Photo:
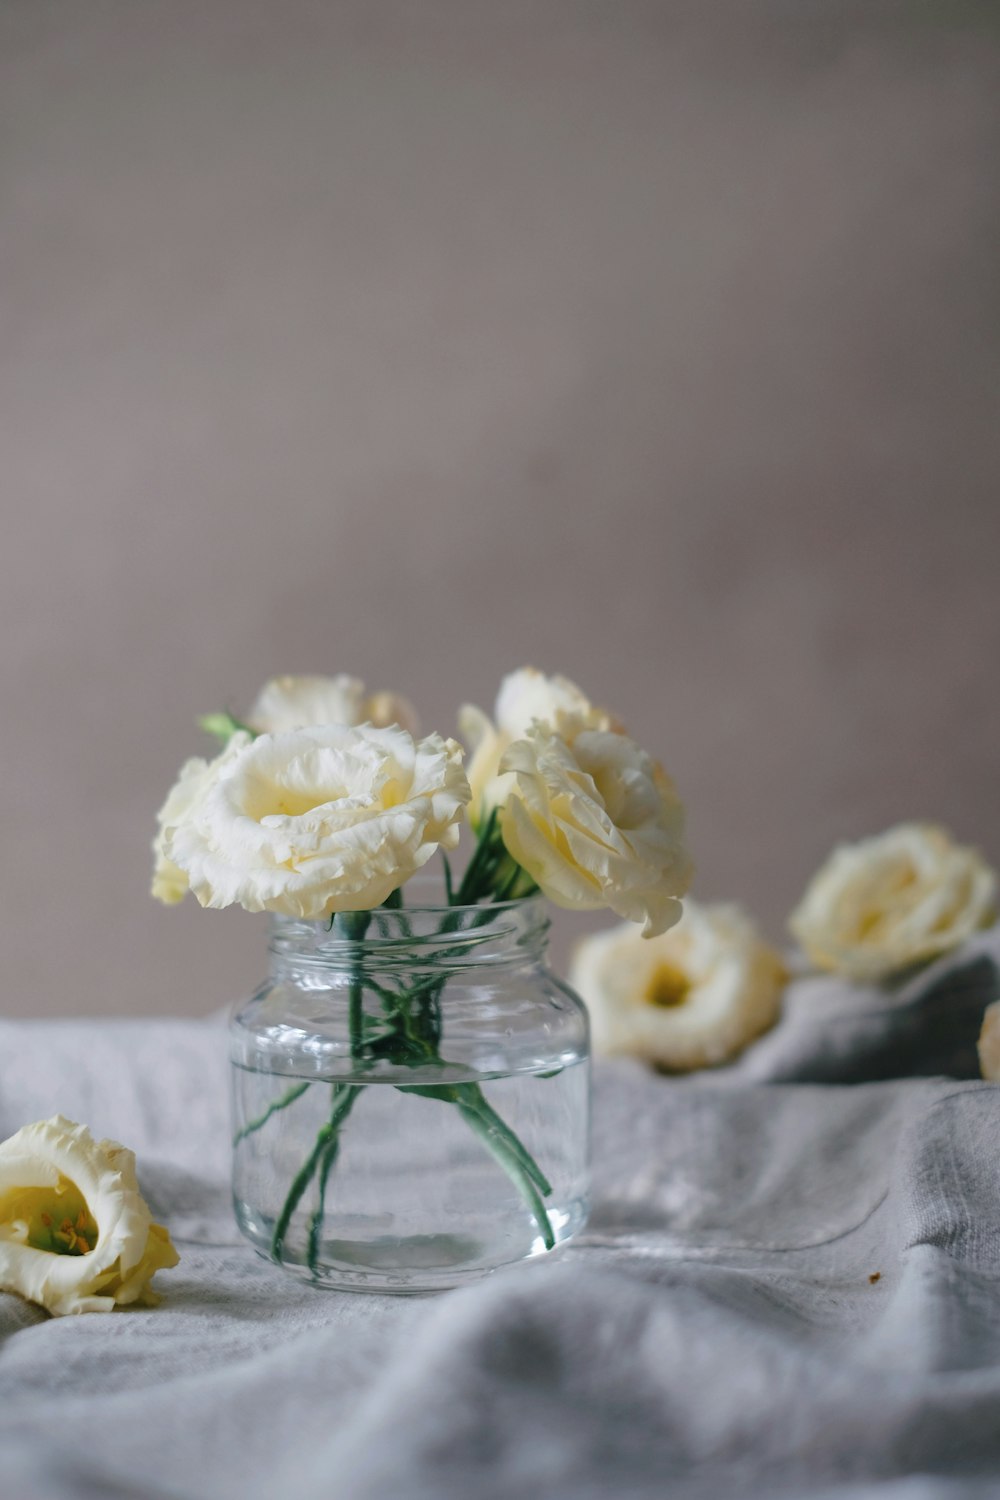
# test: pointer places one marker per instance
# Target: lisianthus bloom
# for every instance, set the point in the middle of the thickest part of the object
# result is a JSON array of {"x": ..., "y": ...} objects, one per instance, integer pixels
[
  {"x": 315, "y": 821},
  {"x": 75, "y": 1234},
  {"x": 596, "y": 822},
  {"x": 903, "y": 897},
  {"x": 525, "y": 697},
  {"x": 989, "y": 1043},
  {"x": 197, "y": 776},
  {"x": 693, "y": 997},
  {"x": 303, "y": 702}
]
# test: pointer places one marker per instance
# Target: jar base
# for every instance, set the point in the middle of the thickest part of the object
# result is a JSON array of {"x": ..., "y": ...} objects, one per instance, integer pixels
[{"x": 416, "y": 1265}]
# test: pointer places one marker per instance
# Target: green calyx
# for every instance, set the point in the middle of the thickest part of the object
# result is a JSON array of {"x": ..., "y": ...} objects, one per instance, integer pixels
[{"x": 224, "y": 725}]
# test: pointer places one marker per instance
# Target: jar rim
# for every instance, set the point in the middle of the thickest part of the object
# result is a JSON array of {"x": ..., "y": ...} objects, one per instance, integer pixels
[
  {"x": 420, "y": 932},
  {"x": 487, "y": 932},
  {"x": 422, "y": 882}
]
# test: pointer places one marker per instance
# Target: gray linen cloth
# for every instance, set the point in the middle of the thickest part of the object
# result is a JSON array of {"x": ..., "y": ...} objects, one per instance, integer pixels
[{"x": 786, "y": 1289}]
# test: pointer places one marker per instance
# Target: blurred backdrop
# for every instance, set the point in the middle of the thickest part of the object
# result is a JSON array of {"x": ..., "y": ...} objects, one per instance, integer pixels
[{"x": 654, "y": 343}]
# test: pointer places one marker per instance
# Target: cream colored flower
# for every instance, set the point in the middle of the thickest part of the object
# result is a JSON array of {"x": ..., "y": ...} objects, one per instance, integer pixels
[
  {"x": 596, "y": 823},
  {"x": 525, "y": 696},
  {"x": 318, "y": 820},
  {"x": 691, "y": 998},
  {"x": 170, "y": 882},
  {"x": 75, "y": 1234},
  {"x": 900, "y": 898},
  {"x": 303, "y": 702},
  {"x": 989, "y": 1043}
]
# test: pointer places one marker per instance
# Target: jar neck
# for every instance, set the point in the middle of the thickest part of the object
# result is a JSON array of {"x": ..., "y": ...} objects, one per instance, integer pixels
[{"x": 414, "y": 938}]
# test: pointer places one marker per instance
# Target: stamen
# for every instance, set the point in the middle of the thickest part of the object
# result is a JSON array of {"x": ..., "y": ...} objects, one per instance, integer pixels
[{"x": 668, "y": 987}]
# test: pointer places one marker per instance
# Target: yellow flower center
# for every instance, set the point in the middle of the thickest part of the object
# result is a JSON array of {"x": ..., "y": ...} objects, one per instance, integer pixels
[
  {"x": 668, "y": 986},
  {"x": 56, "y": 1218}
]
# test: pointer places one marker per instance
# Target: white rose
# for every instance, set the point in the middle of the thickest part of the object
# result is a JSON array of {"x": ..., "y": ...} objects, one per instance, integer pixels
[
  {"x": 303, "y": 702},
  {"x": 596, "y": 823},
  {"x": 692, "y": 998},
  {"x": 989, "y": 1043},
  {"x": 75, "y": 1234},
  {"x": 900, "y": 898},
  {"x": 318, "y": 820},
  {"x": 525, "y": 696}
]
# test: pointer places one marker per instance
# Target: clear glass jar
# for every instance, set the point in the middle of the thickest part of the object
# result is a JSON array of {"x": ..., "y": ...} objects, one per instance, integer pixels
[{"x": 411, "y": 1098}]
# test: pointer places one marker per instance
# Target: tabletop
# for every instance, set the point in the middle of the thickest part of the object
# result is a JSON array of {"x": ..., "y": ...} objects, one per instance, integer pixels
[{"x": 789, "y": 1286}]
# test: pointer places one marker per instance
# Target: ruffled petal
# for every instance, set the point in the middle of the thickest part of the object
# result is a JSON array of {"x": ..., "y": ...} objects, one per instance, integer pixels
[{"x": 75, "y": 1234}]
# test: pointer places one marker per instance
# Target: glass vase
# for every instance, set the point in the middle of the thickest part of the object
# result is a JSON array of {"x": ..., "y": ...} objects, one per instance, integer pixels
[{"x": 410, "y": 1098}]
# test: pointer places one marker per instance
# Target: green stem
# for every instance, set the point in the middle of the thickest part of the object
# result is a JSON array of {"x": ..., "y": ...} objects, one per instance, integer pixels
[
  {"x": 330, "y": 1154},
  {"x": 507, "y": 879},
  {"x": 496, "y": 1144},
  {"x": 492, "y": 873},
  {"x": 344, "y": 1096},
  {"x": 354, "y": 925},
  {"x": 272, "y": 1109},
  {"x": 483, "y": 856},
  {"x": 513, "y": 1156},
  {"x": 474, "y": 1098}
]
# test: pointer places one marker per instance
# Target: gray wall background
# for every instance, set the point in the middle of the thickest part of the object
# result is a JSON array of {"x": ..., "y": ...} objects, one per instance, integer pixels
[{"x": 653, "y": 343}]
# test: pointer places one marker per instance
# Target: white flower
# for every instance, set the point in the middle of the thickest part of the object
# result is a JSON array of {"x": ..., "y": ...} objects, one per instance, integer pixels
[
  {"x": 170, "y": 882},
  {"x": 989, "y": 1043},
  {"x": 303, "y": 702},
  {"x": 900, "y": 898},
  {"x": 525, "y": 696},
  {"x": 318, "y": 820},
  {"x": 692, "y": 998},
  {"x": 596, "y": 823},
  {"x": 75, "y": 1234}
]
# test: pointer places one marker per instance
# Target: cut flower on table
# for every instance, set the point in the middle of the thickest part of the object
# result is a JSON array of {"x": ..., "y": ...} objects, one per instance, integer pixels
[
  {"x": 886, "y": 903},
  {"x": 75, "y": 1233},
  {"x": 694, "y": 997},
  {"x": 988, "y": 1045}
]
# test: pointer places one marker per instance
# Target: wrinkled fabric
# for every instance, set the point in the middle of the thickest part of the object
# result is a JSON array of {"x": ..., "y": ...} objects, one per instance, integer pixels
[
  {"x": 786, "y": 1289},
  {"x": 922, "y": 1024}
]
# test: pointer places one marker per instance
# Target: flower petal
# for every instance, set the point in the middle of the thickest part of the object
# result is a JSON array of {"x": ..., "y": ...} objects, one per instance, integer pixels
[{"x": 62, "y": 1160}]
